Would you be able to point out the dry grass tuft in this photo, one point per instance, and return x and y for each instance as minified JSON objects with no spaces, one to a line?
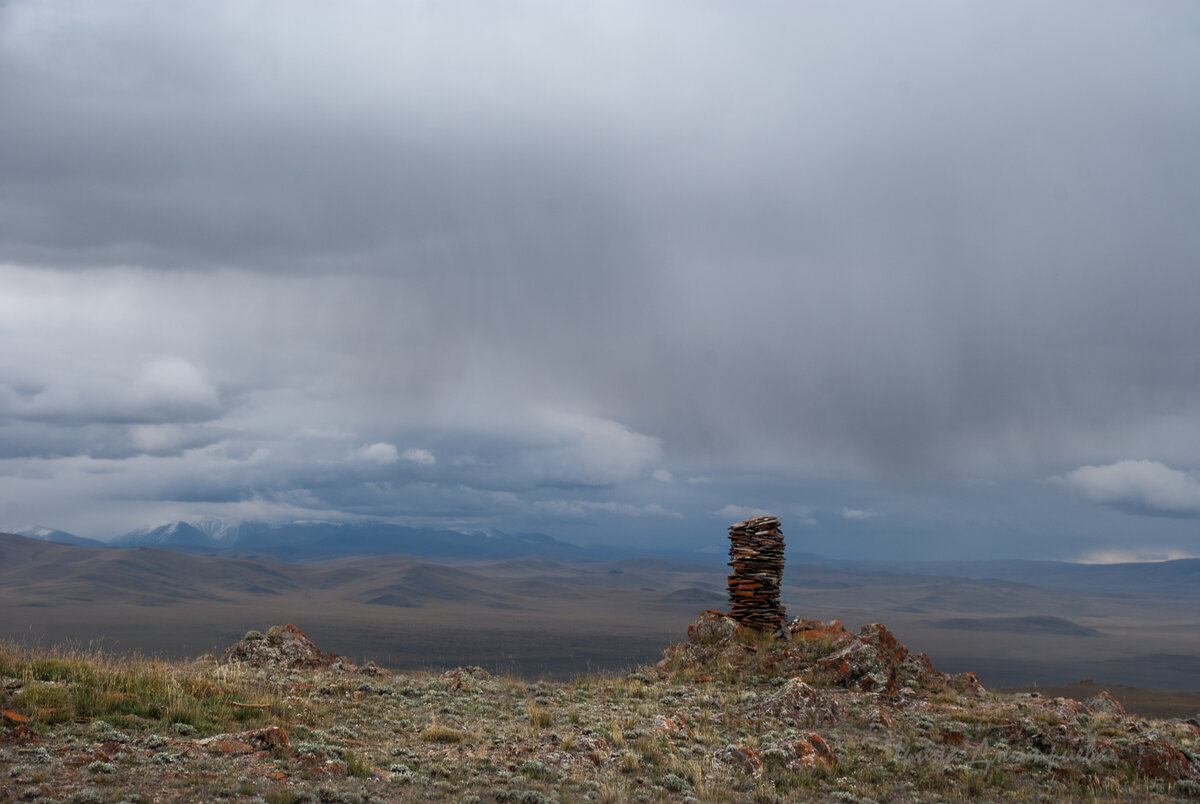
{"x":442,"y":734}
{"x":62,"y":684}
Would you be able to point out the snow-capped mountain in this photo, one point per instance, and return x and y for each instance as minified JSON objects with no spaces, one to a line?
{"x":316,"y":540}
{"x":45,"y":534}
{"x":173,"y":534}
{"x":220,"y":530}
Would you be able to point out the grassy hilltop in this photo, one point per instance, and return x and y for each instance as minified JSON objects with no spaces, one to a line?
{"x":818,"y":713}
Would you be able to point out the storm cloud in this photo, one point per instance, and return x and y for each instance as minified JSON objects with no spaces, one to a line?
{"x":532,"y":266}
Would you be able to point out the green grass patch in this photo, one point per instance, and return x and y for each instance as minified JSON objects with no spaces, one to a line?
{"x":61,"y":684}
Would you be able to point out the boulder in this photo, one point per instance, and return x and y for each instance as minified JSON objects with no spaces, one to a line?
{"x":1161,"y":760}
{"x":246,"y":742}
{"x":13,"y":717}
{"x":1105,"y":704}
{"x":283,"y":646}
{"x":464,"y":678}
{"x":809,"y":752}
{"x":712,"y":627}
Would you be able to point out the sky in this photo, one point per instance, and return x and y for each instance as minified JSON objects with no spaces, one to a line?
{"x":920,"y":278}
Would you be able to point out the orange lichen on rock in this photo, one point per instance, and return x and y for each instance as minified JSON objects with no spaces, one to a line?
{"x":746,"y":758}
{"x":13,"y":717}
{"x":1162,"y":761}
{"x":809,"y":752}
{"x":246,"y":742}
{"x":814,"y":630}
{"x":674,"y":723}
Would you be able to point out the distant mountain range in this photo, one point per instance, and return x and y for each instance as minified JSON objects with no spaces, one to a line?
{"x":321,"y":540}
{"x":44,"y":534}
{"x":309,"y":541}
{"x":317,"y":541}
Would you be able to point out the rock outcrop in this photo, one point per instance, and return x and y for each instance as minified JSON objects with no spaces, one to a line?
{"x":1105,"y":704}
{"x":818,"y":653}
{"x":875,"y":661}
{"x":283,"y":646}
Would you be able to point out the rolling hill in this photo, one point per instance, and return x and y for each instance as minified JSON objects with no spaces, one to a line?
{"x":560,"y":616}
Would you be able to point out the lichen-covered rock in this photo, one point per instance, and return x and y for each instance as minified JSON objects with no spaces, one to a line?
{"x":712,"y":636}
{"x":875,"y":661}
{"x":674,"y":723}
{"x":1065,"y":708}
{"x":872,"y":660}
{"x":246,"y":742}
{"x":804,"y":753}
{"x":1160,"y":760}
{"x":712,"y":627}
{"x":966,"y":682}
{"x":814,"y":631}
{"x":1105,"y":704}
{"x":13,"y":717}
{"x":799,"y":702}
{"x":858,"y":666}
{"x":283,"y":646}
{"x":464,"y":678}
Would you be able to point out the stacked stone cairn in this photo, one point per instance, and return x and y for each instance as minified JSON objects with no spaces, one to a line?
{"x":756,"y":555}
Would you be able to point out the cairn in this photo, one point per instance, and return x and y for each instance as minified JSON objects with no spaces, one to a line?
{"x":756,"y":555}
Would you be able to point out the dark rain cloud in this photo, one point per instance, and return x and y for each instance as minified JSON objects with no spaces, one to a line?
{"x":560,"y":249}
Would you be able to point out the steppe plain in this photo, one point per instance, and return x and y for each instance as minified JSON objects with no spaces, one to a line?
{"x":554,"y":618}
